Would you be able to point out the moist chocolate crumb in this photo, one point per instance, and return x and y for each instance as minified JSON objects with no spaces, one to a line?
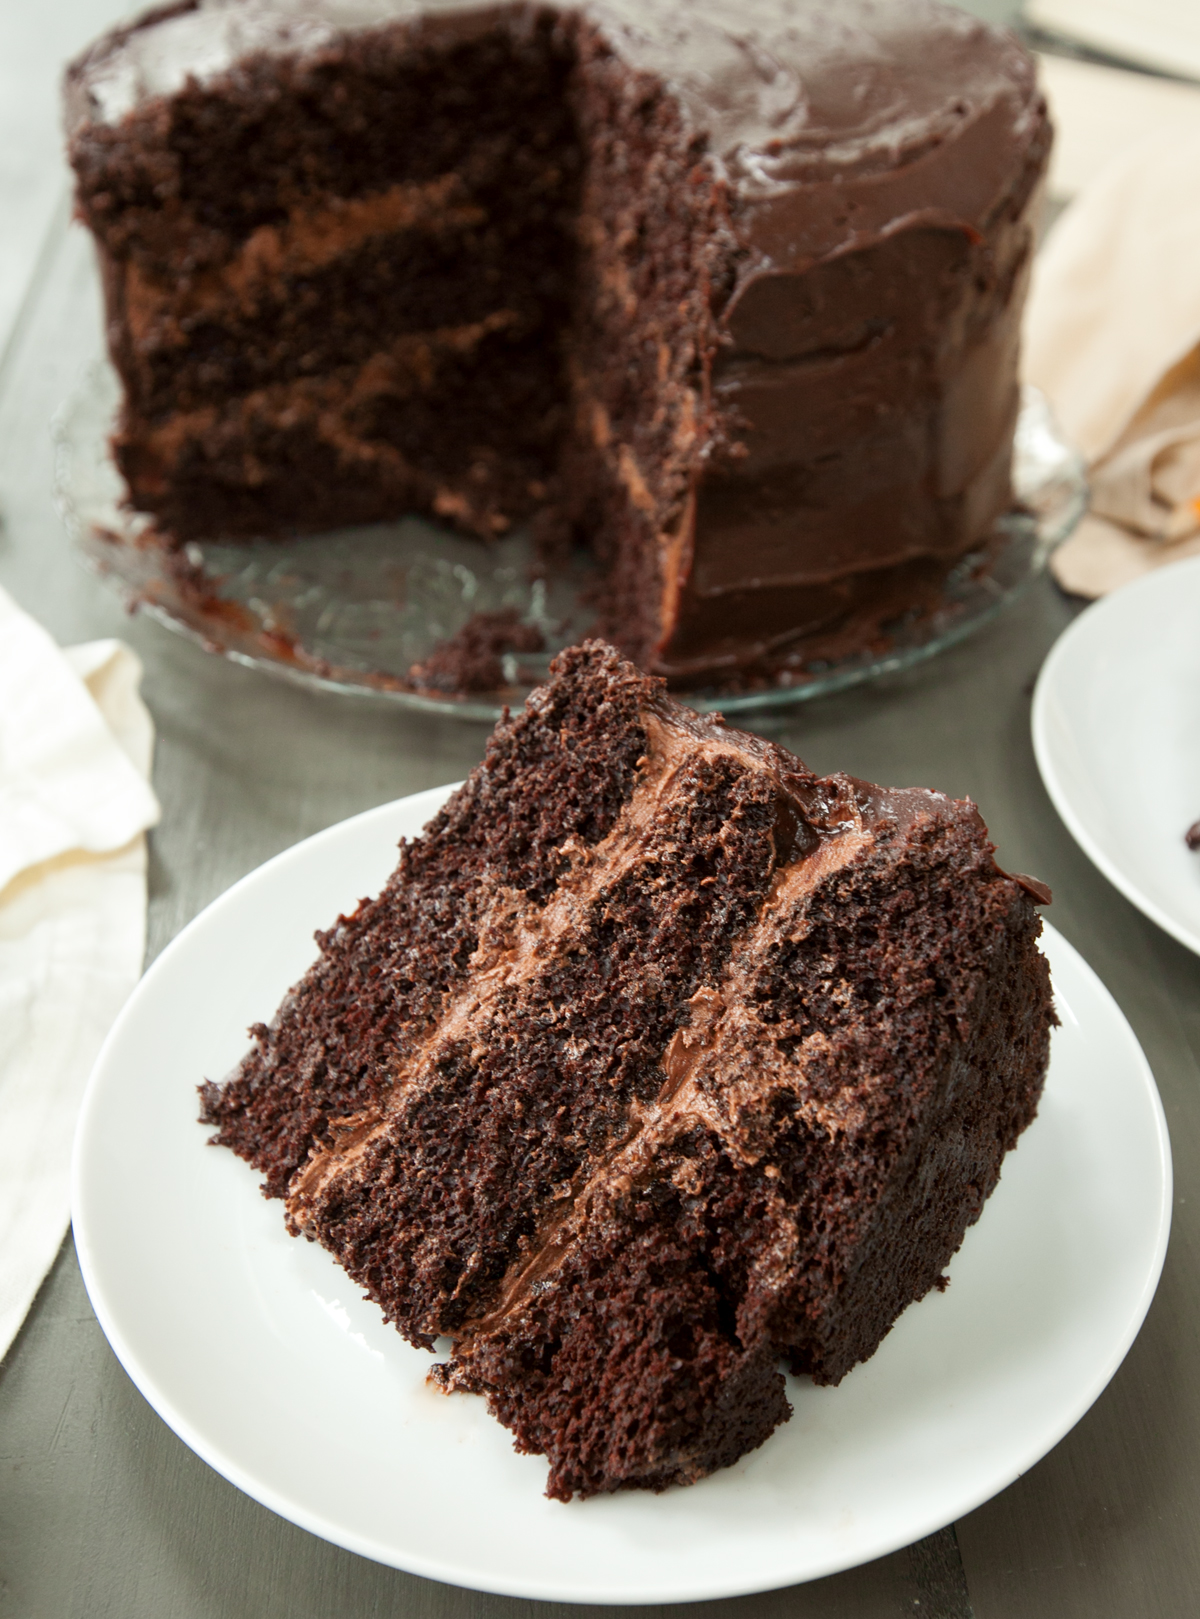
{"x":472,"y":658}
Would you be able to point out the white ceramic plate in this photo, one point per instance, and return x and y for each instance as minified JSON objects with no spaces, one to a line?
{"x":262,"y":1357}
{"x":1116,"y":730}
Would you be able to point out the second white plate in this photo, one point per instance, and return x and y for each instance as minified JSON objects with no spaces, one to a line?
{"x":260,"y":1354}
{"x":1116,"y":731}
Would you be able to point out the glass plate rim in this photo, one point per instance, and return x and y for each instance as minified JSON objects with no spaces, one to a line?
{"x":1049,"y":481}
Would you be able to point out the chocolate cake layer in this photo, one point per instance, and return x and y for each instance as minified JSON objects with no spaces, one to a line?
{"x":748,"y":279}
{"x":702,"y":1066}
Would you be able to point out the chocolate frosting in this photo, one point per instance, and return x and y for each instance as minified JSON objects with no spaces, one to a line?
{"x":790,"y":93}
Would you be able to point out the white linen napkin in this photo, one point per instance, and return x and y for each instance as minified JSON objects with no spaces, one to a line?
{"x":75,"y":750}
{"x":1112,"y":337}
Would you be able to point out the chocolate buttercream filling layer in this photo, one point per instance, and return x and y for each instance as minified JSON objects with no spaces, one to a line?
{"x":308,"y":239}
{"x":407,"y":364}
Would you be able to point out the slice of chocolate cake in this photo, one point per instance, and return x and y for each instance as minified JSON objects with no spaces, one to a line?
{"x":660,"y":1062}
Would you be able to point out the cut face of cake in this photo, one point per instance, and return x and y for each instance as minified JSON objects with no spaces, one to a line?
{"x":660,"y":1063}
{"x":730,"y":290}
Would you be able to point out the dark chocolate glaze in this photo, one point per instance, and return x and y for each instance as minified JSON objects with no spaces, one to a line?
{"x":883,"y":161}
{"x":877,"y":165}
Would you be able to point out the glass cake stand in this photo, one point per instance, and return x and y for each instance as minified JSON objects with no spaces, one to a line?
{"x":352,"y":610}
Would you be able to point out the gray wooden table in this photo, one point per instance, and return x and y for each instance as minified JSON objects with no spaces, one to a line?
{"x":104,"y":1512}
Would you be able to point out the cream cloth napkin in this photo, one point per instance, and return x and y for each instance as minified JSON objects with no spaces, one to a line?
{"x":75,"y":750}
{"x":1112,"y":337}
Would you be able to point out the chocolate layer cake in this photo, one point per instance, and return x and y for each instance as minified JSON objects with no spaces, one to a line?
{"x":659,"y":1063}
{"x":730,"y":289}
